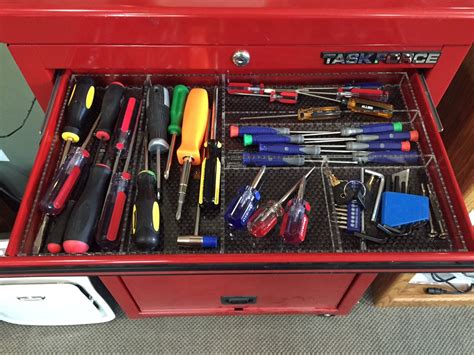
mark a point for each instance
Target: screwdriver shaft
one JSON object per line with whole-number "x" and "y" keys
{"x": 183, "y": 185}
{"x": 158, "y": 173}
{"x": 169, "y": 160}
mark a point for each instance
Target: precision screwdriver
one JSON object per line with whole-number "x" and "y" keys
{"x": 383, "y": 157}
{"x": 295, "y": 221}
{"x": 195, "y": 120}
{"x": 209, "y": 189}
{"x": 78, "y": 113}
{"x": 245, "y": 203}
{"x": 180, "y": 93}
{"x": 306, "y": 114}
{"x": 110, "y": 109}
{"x": 112, "y": 211}
{"x": 146, "y": 210}
{"x": 395, "y": 127}
{"x": 266, "y": 216}
{"x": 403, "y": 146}
{"x": 158, "y": 118}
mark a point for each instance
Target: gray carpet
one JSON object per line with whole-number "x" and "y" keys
{"x": 366, "y": 329}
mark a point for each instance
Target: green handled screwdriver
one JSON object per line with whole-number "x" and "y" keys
{"x": 146, "y": 211}
{"x": 180, "y": 93}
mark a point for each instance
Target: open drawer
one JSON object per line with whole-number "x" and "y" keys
{"x": 326, "y": 247}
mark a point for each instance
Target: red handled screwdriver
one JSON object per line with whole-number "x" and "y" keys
{"x": 112, "y": 212}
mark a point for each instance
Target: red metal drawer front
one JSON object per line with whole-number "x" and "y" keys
{"x": 161, "y": 294}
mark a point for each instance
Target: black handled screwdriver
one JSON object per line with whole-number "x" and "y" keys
{"x": 209, "y": 189}
{"x": 158, "y": 118}
{"x": 78, "y": 113}
{"x": 146, "y": 210}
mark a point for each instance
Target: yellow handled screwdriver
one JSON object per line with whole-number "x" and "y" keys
{"x": 195, "y": 120}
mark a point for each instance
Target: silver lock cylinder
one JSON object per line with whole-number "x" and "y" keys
{"x": 241, "y": 58}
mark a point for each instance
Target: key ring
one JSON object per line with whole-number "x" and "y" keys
{"x": 364, "y": 189}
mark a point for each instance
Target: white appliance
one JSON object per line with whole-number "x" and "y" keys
{"x": 52, "y": 301}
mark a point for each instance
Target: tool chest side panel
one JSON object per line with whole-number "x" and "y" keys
{"x": 410, "y": 22}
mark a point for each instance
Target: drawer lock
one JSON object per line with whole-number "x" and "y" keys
{"x": 238, "y": 300}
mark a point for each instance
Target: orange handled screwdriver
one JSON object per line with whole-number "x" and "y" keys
{"x": 195, "y": 120}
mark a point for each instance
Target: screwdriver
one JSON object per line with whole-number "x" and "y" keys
{"x": 299, "y": 138}
{"x": 266, "y": 217}
{"x": 66, "y": 178}
{"x": 306, "y": 114}
{"x": 78, "y": 112}
{"x": 196, "y": 240}
{"x": 158, "y": 116}
{"x": 239, "y": 131}
{"x": 295, "y": 221}
{"x": 383, "y": 157}
{"x": 209, "y": 189}
{"x": 364, "y": 93}
{"x": 284, "y": 97}
{"x": 180, "y": 93}
{"x": 194, "y": 127}
{"x": 403, "y": 146}
{"x": 246, "y": 88}
{"x": 245, "y": 203}
{"x": 146, "y": 210}
{"x": 109, "y": 111}
{"x": 112, "y": 211}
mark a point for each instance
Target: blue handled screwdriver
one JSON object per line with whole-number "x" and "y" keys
{"x": 404, "y": 146}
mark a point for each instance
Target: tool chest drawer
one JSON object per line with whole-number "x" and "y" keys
{"x": 328, "y": 244}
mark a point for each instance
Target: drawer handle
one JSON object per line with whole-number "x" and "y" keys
{"x": 233, "y": 300}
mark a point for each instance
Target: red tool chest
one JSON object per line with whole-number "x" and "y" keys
{"x": 413, "y": 47}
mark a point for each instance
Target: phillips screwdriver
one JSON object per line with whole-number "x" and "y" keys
{"x": 194, "y": 127}
{"x": 299, "y": 139}
{"x": 403, "y": 146}
{"x": 295, "y": 220}
{"x": 245, "y": 203}
{"x": 284, "y": 97}
{"x": 146, "y": 210}
{"x": 158, "y": 118}
{"x": 306, "y": 114}
{"x": 196, "y": 240}
{"x": 78, "y": 113}
{"x": 210, "y": 184}
{"x": 110, "y": 109}
{"x": 180, "y": 93}
{"x": 383, "y": 157}
{"x": 66, "y": 178}
{"x": 106, "y": 236}
{"x": 266, "y": 216}
{"x": 239, "y": 131}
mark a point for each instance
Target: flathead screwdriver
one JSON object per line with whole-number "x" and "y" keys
{"x": 158, "y": 118}
{"x": 180, "y": 93}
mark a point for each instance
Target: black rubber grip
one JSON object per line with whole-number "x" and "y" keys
{"x": 146, "y": 213}
{"x": 57, "y": 228}
{"x": 110, "y": 110}
{"x": 158, "y": 113}
{"x": 85, "y": 214}
{"x": 78, "y": 112}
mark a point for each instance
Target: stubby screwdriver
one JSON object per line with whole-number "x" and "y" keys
{"x": 180, "y": 93}
{"x": 106, "y": 236}
{"x": 245, "y": 203}
{"x": 195, "y": 120}
{"x": 146, "y": 210}
{"x": 209, "y": 189}
{"x": 78, "y": 113}
{"x": 295, "y": 221}
{"x": 305, "y": 114}
{"x": 266, "y": 216}
{"x": 158, "y": 118}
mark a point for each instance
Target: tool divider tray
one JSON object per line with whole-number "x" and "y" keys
{"x": 323, "y": 235}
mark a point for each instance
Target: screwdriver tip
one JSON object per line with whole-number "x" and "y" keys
{"x": 178, "y": 213}
{"x": 166, "y": 175}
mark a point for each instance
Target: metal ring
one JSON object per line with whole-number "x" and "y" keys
{"x": 359, "y": 183}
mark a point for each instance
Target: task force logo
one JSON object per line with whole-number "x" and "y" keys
{"x": 332, "y": 58}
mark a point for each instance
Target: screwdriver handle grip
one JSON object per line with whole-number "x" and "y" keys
{"x": 209, "y": 189}
{"x": 372, "y": 128}
{"x": 158, "y": 118}
{"x": 78, "y": 117}
{"x": 369, "y": 107}
{"x": 180, "y": 93}
{"x": 284, "y": 97}
{"x": 271, "y": 159}
{"x": 387, "y": 157}
{"x": 295, "y": 222}
{"x": 106, "y": 236}
{"x": 274, "y": 138}
{"x": 403, "y": 146}
{"x": 110, "y": 109}
{"x": 82, "y": 223}
{"x": 125, "y": 125}
{"x": 58, "y": 226}
{"x": 318, "y": 113}
{"x": 289, "y": 149}
{"x": 239, "y": 131}
{"x": 146, "y": 213}
{"x": 242, "y": 207}
{"x": 411, "y": 136}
